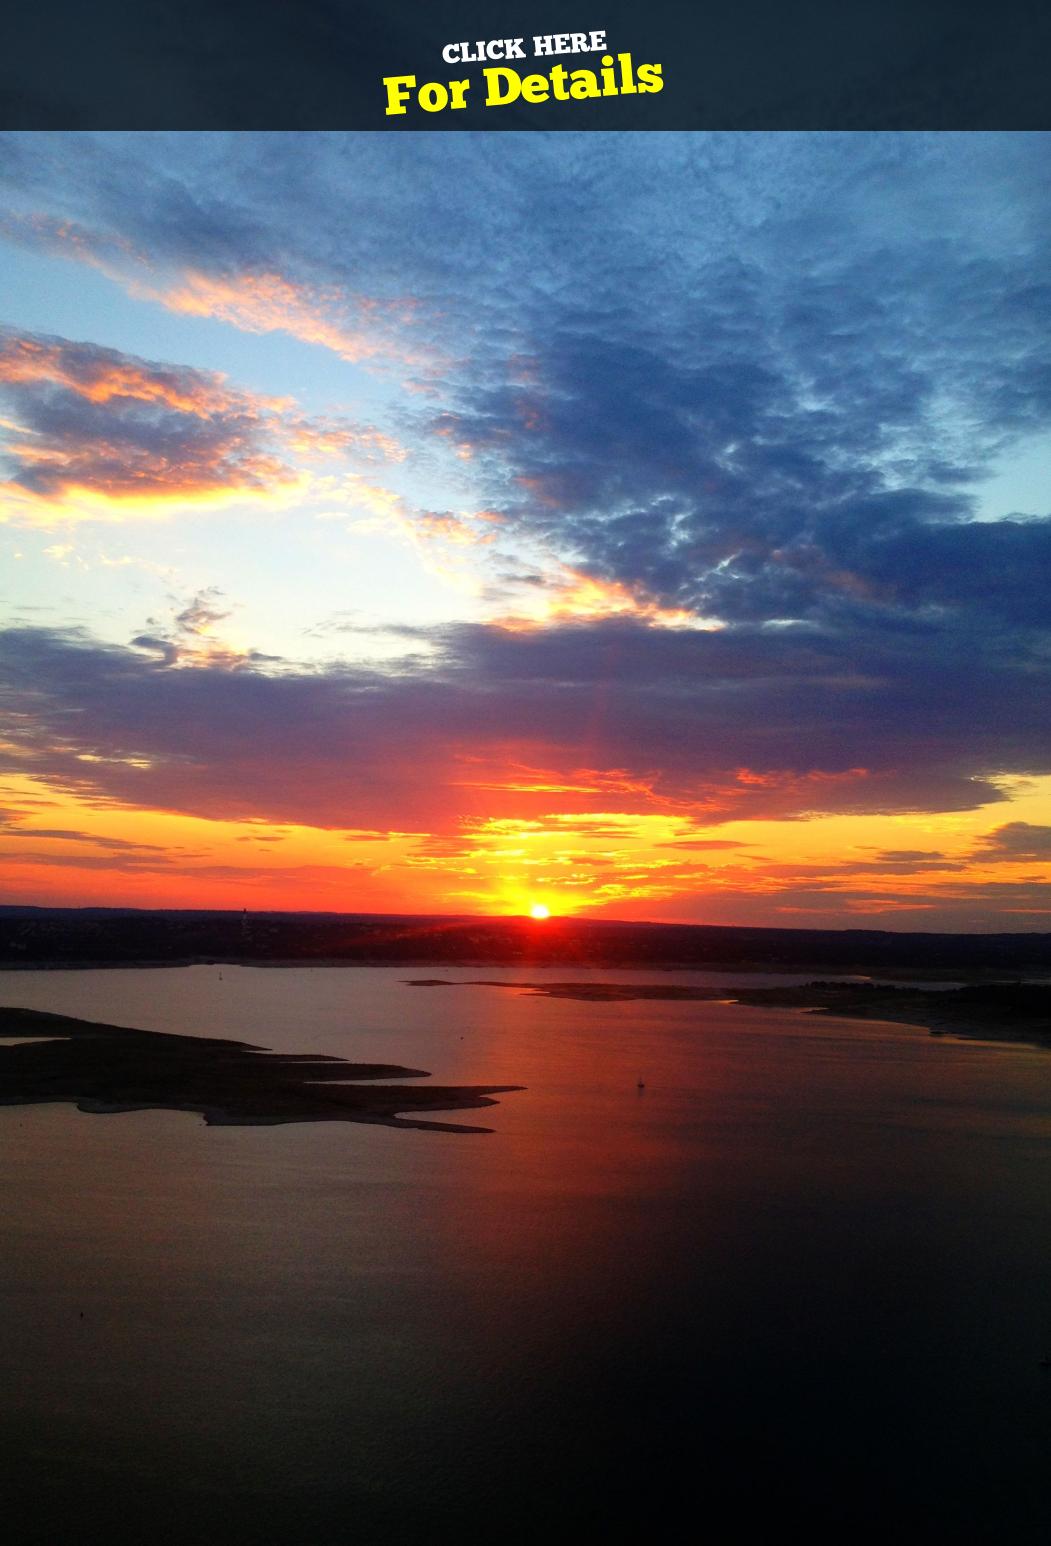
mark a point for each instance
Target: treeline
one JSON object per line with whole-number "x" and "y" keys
{"x": 112, "y": 937}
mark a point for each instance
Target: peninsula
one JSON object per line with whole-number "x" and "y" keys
{"x": 112, "y": 1068}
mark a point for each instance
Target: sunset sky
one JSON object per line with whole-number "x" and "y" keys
{"x": 650, "y": 525}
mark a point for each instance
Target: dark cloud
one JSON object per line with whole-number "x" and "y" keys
{"x": 970, "y": 908}
{"x": 765, "y": 380}
{"x": 1017, "y": 841}
{"x": 794, "y": 453}
{"x": 95, "y": 419}
{"x": 616, "y": 715}
{"x": 117, "y": 863}
{"x": 91, "y": 418}
{"x": 68, "y": 835}
{"x": 912, "y": 856}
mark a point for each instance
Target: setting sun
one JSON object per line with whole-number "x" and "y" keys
{"x": 539, "y": 912}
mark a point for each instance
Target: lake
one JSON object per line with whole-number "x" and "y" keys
{"x": 802, "y": 1278}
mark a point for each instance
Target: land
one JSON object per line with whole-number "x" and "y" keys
{"x": 113, "y": 1068}
{"x": 992, "y": 1011}
{"x": 54, "y": 938}
{"x": 107, "y": 1068}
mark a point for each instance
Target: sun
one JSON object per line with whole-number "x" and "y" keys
{"x": 539, "y": 912}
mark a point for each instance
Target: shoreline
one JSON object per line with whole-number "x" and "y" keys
{"x": 904, "y": 974}
{"x": 1002, "y": 1012}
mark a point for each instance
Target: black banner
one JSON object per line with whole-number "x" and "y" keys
{"x": 249, "y": 64}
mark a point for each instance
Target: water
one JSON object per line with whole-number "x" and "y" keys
{"x": 803, "y": 1278}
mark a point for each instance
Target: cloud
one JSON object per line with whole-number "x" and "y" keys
{"x": 91, "y": 423}
{"x": 1016, "y": 842}
{"x": 797, "y": 455}
{"x": 494, "y": 723}
{"x": 770, "y": 389}
{"x": 568, "y": 595}
{"x": 115, "y": 862}
{"x": 194, "y": 637}
{"x": 67, "y": 835}
{"x": 100, "y": 375}
{"x": 703, "y": 844}
{"x": 724, "y": 468}
{"x": 270, "y": 302}
{"x": 101, "y": 423}
{"x": 356, "y": 328}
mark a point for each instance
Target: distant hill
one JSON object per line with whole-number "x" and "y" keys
{"x": 37, "y": 936}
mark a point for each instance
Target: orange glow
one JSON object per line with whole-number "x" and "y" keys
{"x": 241, "y": 453}
{"x": 574, "y": 597}
{"x": 75, "y": 846}
{"x": 269, "y": 303}
{"x": 101, "y": 378}
{"x": 264, "y": 482}
{"x": 355, "y": 327}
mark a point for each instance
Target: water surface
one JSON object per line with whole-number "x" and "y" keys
{"x": 802, "y": 1277}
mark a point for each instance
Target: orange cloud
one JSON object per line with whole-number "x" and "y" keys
{"x": 327, "y": 437}
{"x": 571, "y": 596}
{"x": 516, "y": 778}
{"x": 61, "y": 847}
{"x": 100, "y": 375}
{"x": 97, "y": 432}
{"x": 270, "y": 302}
{"x": 355, "y": 327}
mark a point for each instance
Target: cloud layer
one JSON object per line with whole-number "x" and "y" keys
{"x": 618, "y": 715}
{"x": 86, "y": 420}
{"x": 726, "y": 424}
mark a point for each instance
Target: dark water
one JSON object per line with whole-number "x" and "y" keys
{"x": 803, "y": 1279}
